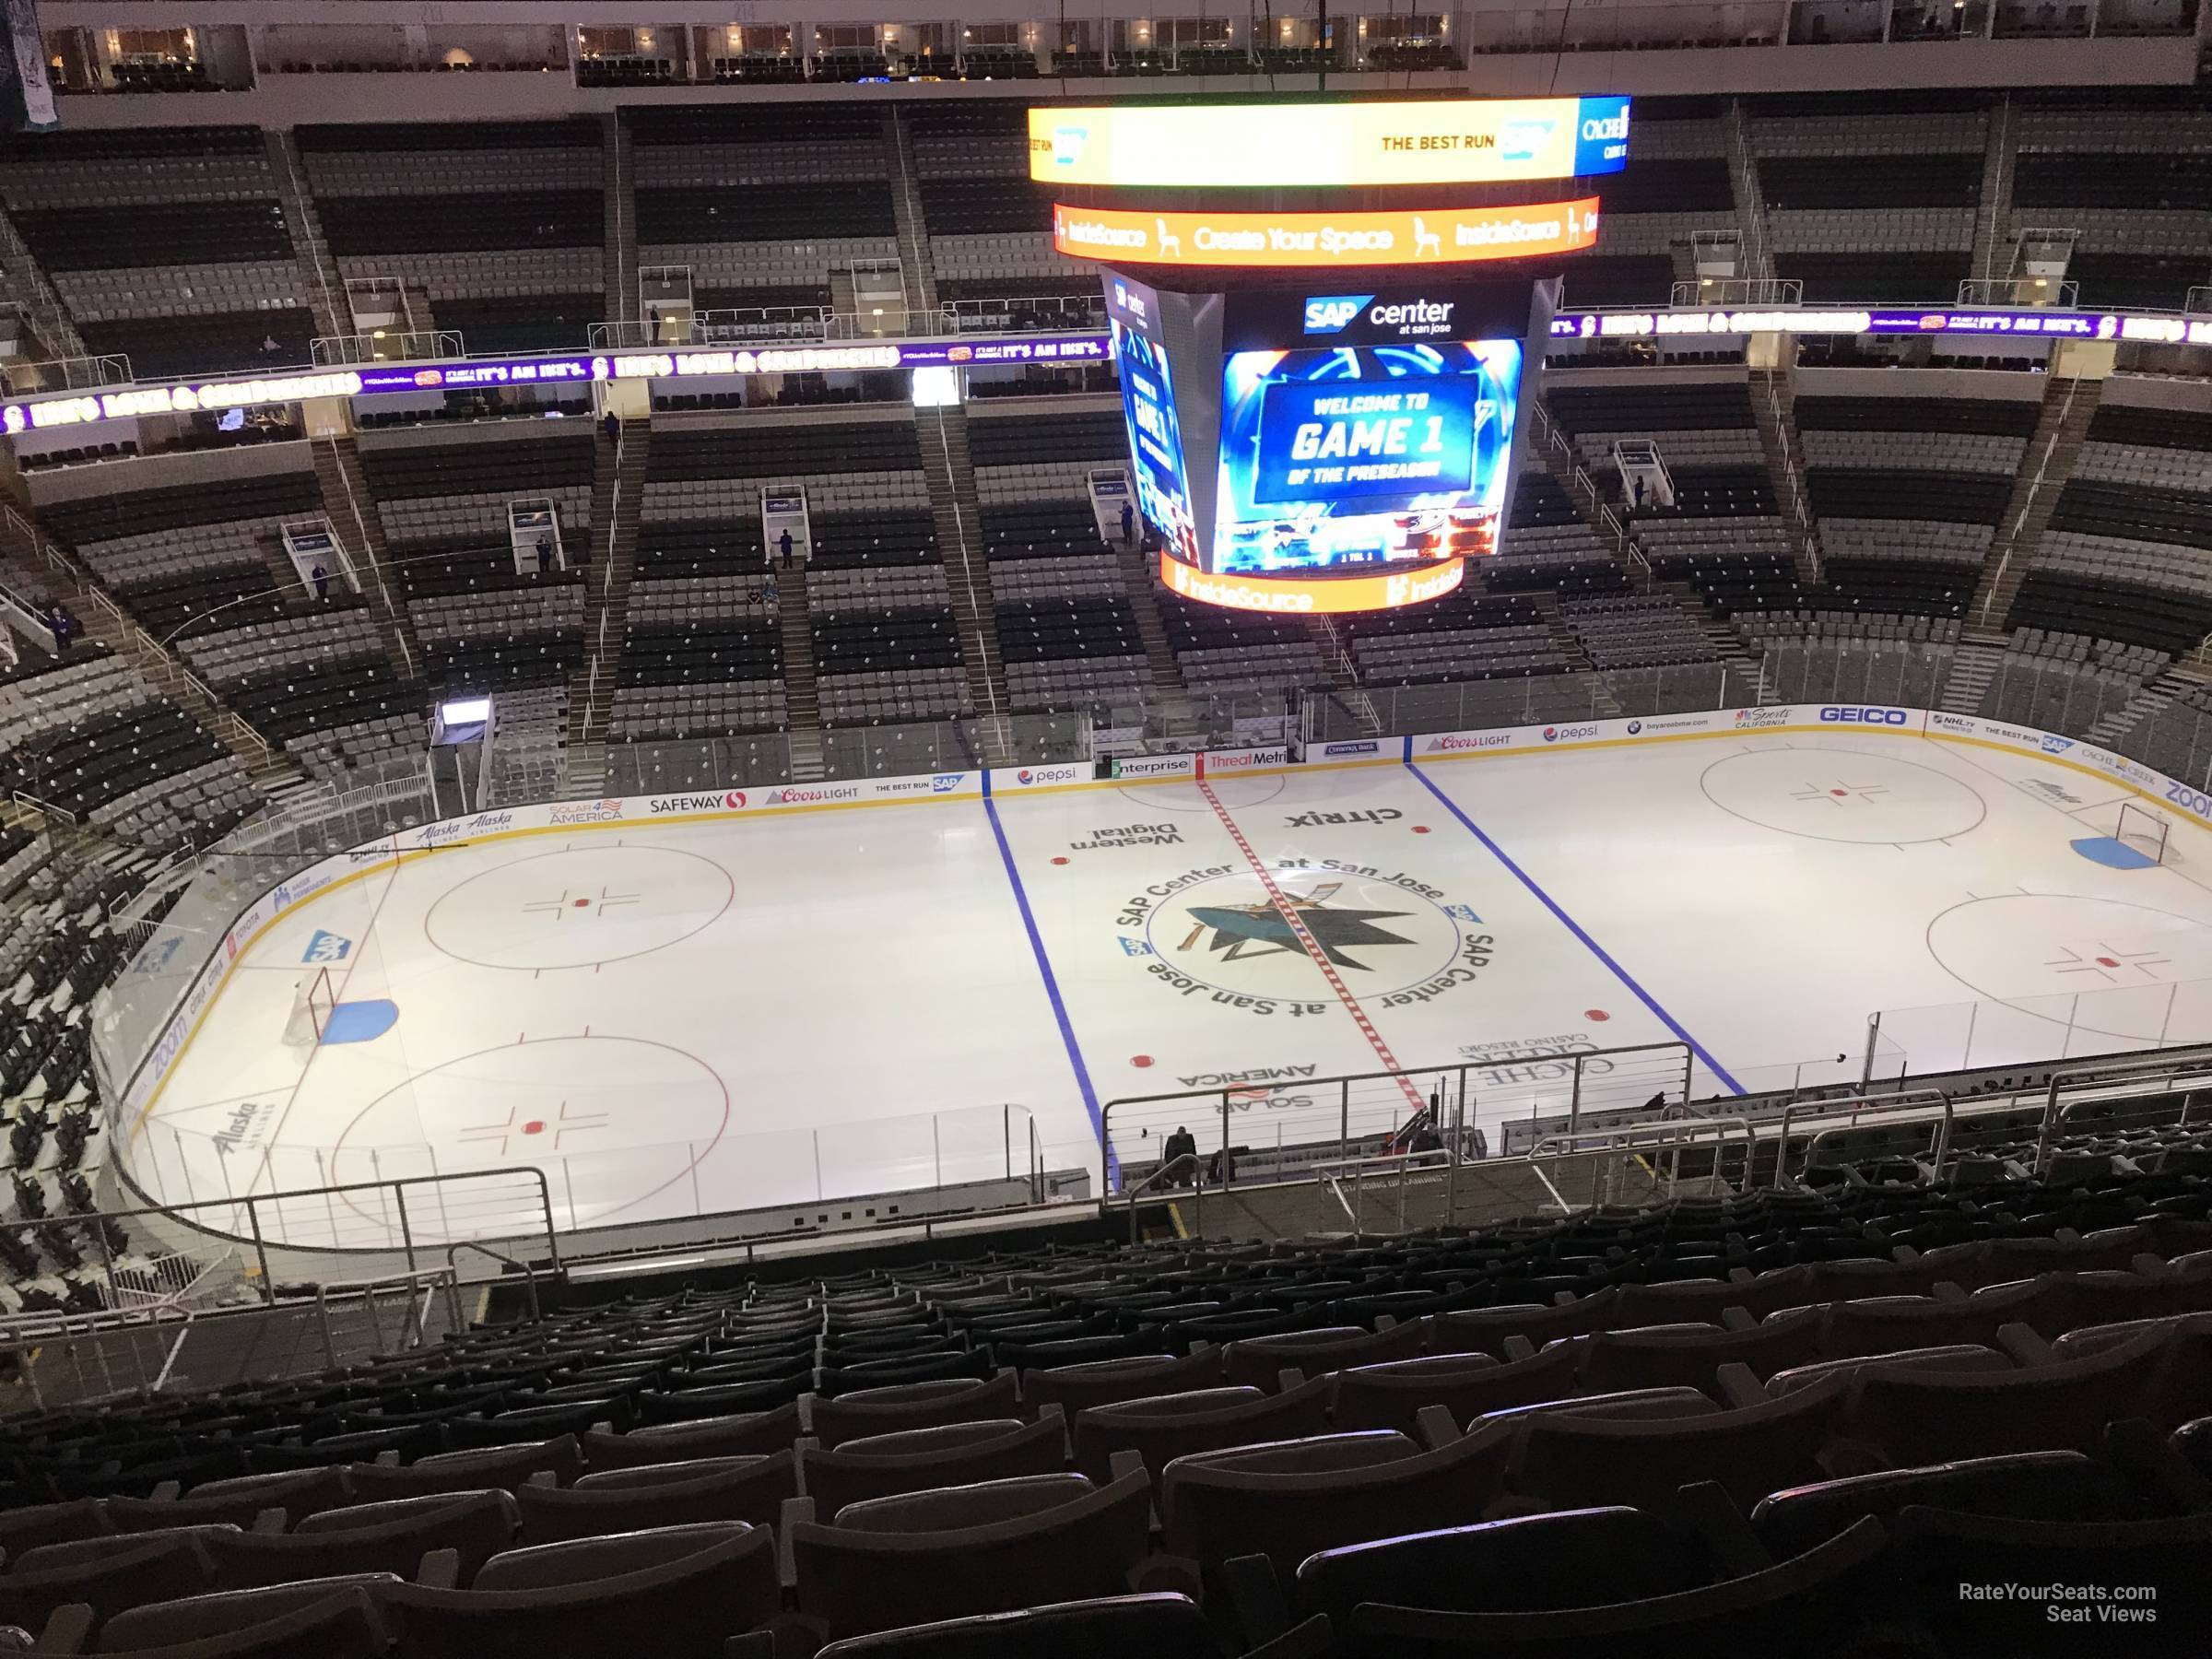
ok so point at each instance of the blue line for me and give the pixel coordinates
(1044, 965)
(1574, 928)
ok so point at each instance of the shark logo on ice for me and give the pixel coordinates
(325, 949)
(1264, 929)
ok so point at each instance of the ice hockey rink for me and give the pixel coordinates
(764, 1010)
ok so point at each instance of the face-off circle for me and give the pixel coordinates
(1838, 794)
(1233, 791)
(580, 907)
(611, 1120)
(2102, 966)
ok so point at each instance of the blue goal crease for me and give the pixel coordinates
(1574, 928)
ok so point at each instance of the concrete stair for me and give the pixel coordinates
(1143, 587)
(916, 270)
(351, 510)
(953, 502)
(2069, 405)
(2149, 704)
(326, 288)
(1773, 405)
(622, 274)
(1548, 441)
(802, 699)
(1993, 243)
(617, 493)
(1344, 690)
(74, 585)
(1750, 200)
(1973, 666)
(42, 307)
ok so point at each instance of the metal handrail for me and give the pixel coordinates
(1675, 1135)
(453, 1289)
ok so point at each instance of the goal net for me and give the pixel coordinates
(312, 999)
(2142, 831)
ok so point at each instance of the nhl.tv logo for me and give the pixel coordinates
(1328, 313)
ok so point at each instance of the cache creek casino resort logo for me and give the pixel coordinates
(1218, 934)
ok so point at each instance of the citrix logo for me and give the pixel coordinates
(1892, 717)
(1327, 313)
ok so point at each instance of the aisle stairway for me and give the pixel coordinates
(802, 699)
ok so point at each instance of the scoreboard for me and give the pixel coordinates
(1294, 450)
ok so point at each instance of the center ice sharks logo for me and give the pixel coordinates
(1283, 926)
(1305, 935)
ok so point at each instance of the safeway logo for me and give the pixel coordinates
(734, 800)
(1327, 313)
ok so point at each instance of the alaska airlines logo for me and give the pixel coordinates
(1329, 312)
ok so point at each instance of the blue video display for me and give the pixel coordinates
(1352, 455)
(1163, 495)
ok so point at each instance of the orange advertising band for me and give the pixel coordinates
(1314, 595)
(1444, 236)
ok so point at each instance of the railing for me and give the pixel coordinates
(1044, 313)
(383, 346)
(453, 1254)
(1801, 517)
(1401, 1164)
(980, 608)
(1266, 1126)
(606, 589)
(394, 617)
(1647, 1144)
(414, 1289)
(1757, 293)
(2198, 303)
(164, 667)
(2035, 487)
(70, 373)
(2012, 291)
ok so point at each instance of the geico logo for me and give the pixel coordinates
(1864, 716)
(1609, 126)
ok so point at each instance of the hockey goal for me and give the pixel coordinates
(2142, 831)
(313, 997)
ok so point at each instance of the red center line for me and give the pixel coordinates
(1288, 912)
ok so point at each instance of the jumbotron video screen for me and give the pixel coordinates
(1348, 455)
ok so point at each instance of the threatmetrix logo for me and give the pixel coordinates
(1328, 313)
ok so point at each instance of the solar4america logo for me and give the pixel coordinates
(1297, 939)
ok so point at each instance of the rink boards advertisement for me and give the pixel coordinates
(1008, 783)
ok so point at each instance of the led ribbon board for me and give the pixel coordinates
(1433, 236)
(1329, 146)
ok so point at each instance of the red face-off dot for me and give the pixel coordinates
(1597, 1015)
(1059, 861)
(534, 1126)
(1839, 792)
(583, 904)
(1421, 828)
(2108, 961)
(1141, 1061)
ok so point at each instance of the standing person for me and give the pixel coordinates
(58, 620)
(612, 427)
(545, 551)
(1128, 523)
(1181, 1144)
(783, 545)
(321, 580)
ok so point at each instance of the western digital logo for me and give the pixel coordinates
(1330, 313)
